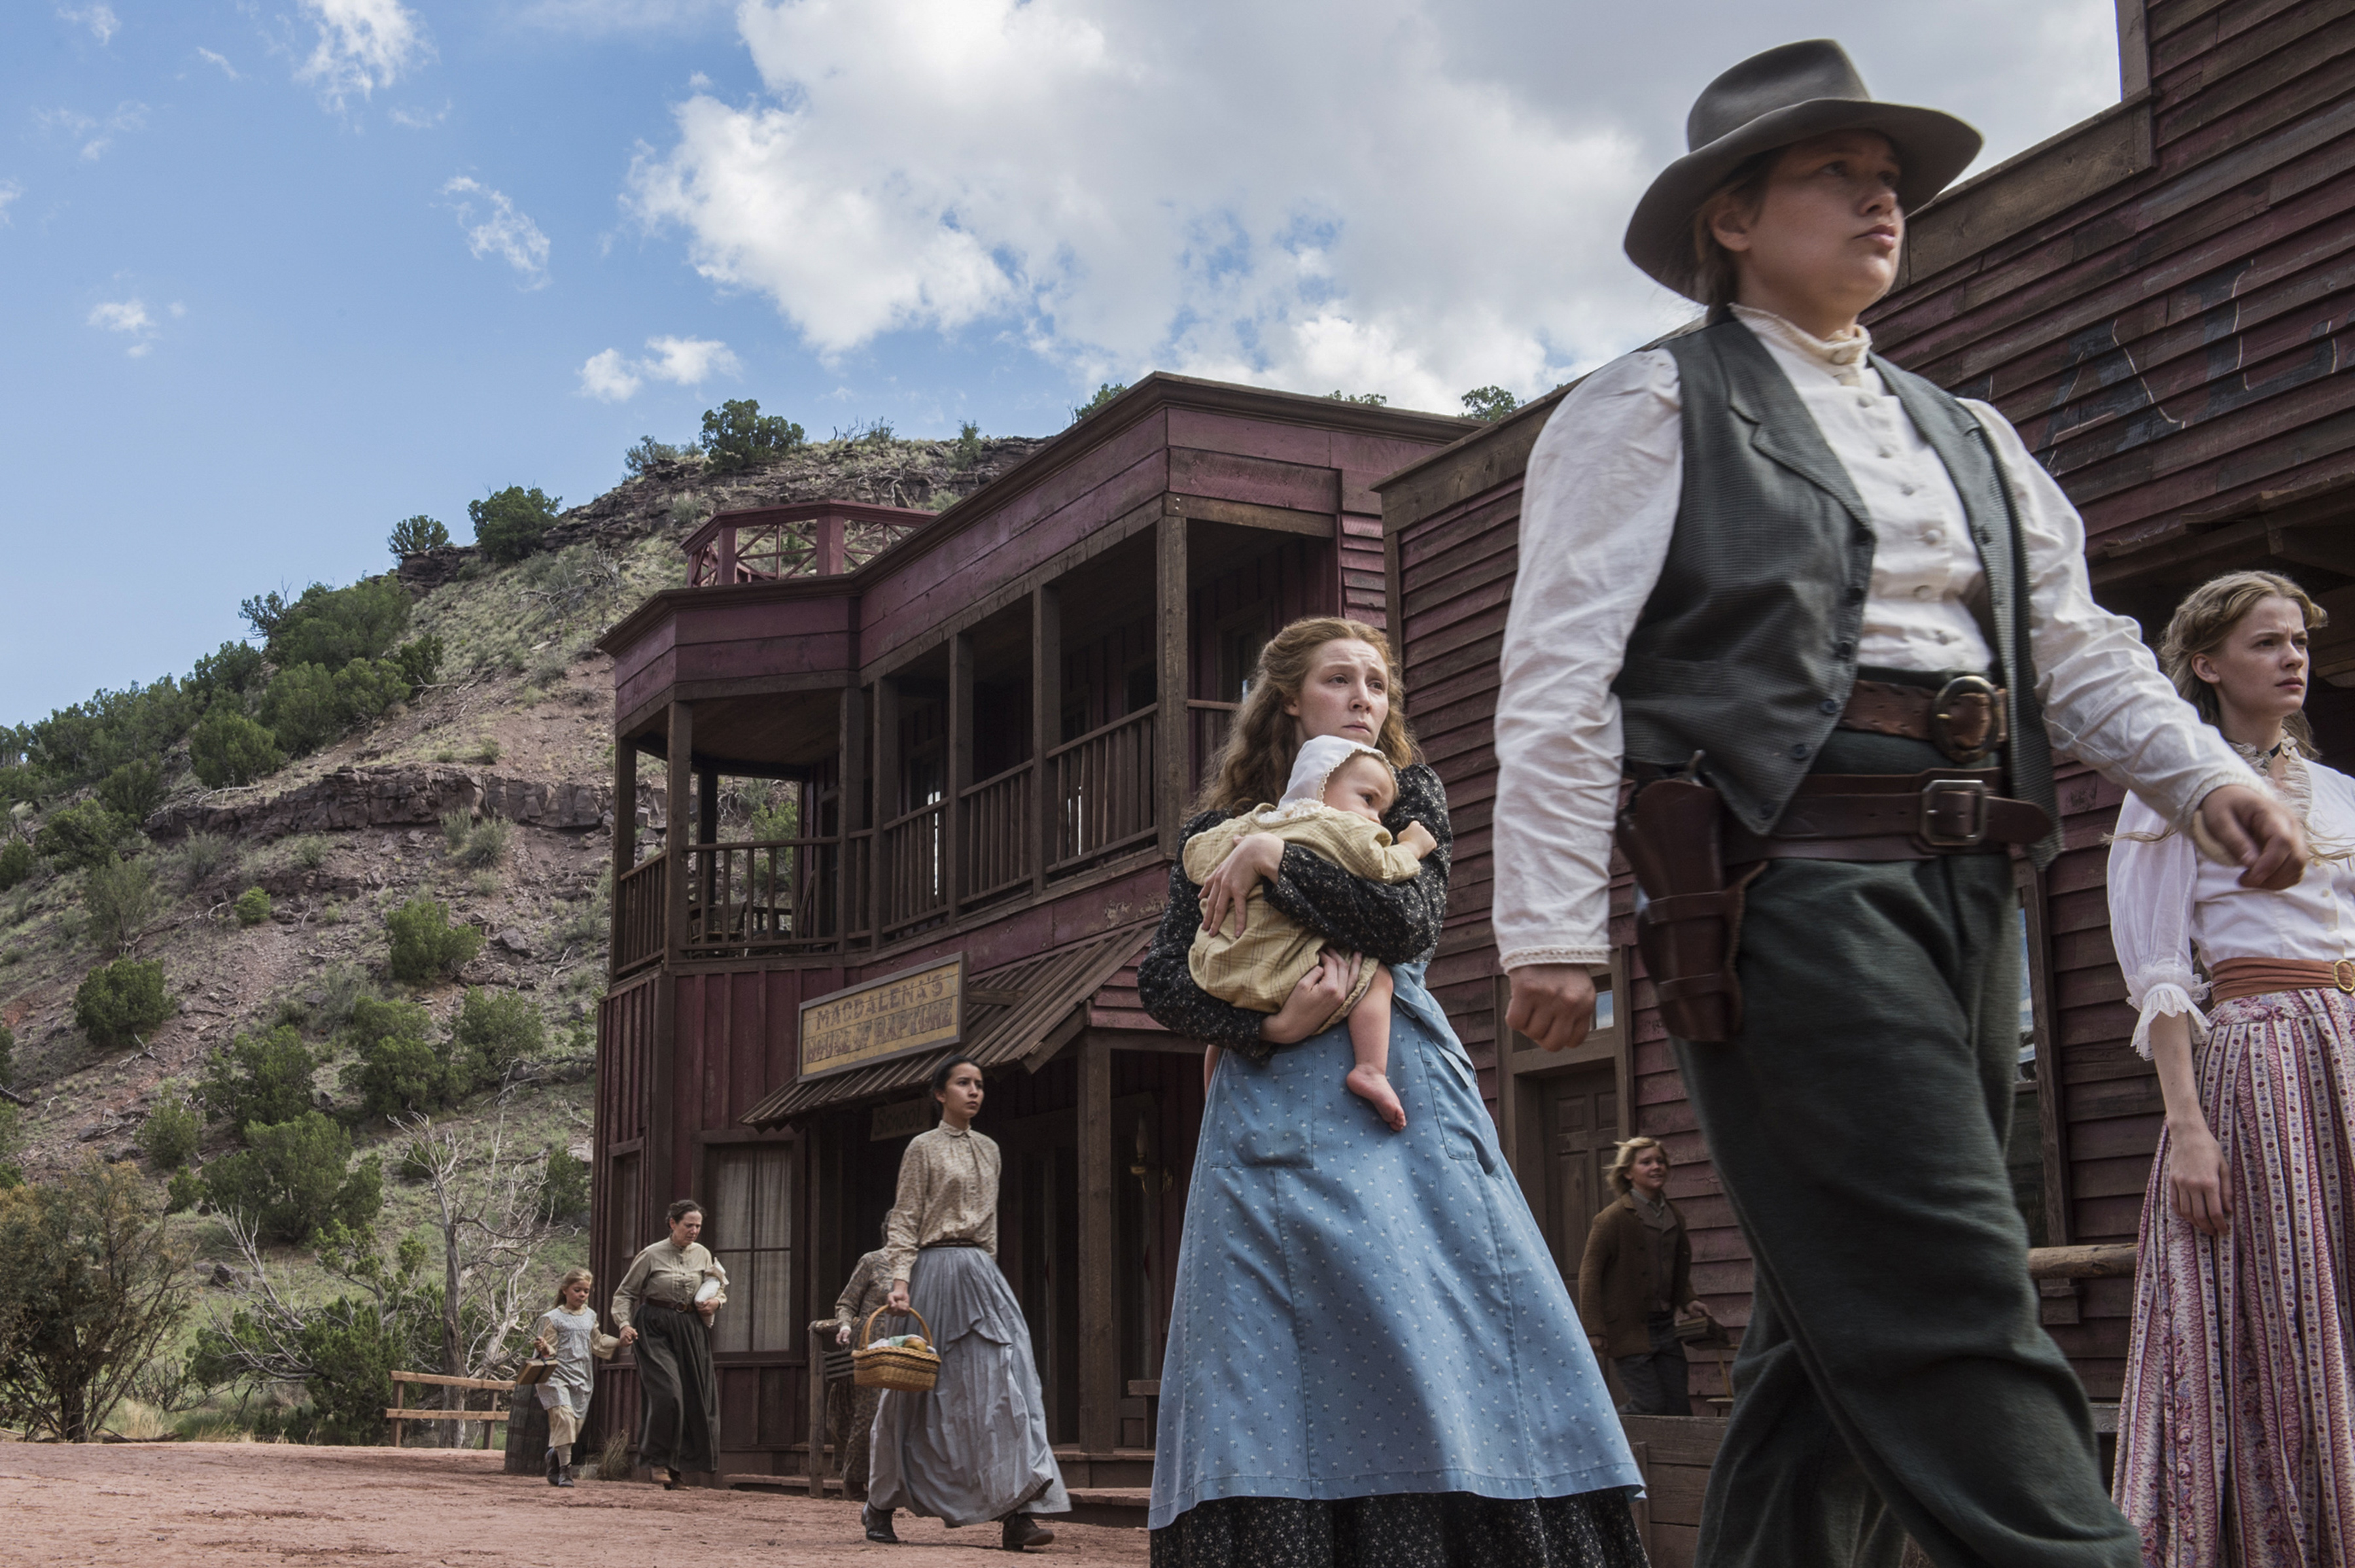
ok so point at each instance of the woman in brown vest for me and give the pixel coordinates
(1635, 1276)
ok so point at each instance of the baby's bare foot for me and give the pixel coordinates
(1369, 1085)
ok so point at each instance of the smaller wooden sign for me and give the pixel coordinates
(898, 1015)
(902, 1119)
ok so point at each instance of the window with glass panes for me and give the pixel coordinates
(750, 1230)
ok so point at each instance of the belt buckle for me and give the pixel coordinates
(2342, 974)
(1973, 790)
(1966, 719)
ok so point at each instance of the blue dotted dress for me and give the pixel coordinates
(1361, 1312)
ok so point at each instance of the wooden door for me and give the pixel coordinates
(1577, 1118)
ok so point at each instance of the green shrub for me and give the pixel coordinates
(415, 536)
(456, 827)
(366, 687)
(340, 987)
(1490, 403)
(302, 707)
(398, 1068)
(184, 1192)
(119, 899)
(134, 791)
(292, 1179)
(413, 1167)
(966, 450)
(564, 1194)
(81, 835)
(308, 850)
(736, 435)
(202, 856)
(486, 751)
(420, 662)
(253, 907)
(7, 1054)
(121, 1001)
(648, 455)
(170, 1133)
(230, 671)
(228, 749)
(493, 1032)
(486, 842)
(425, 946)
(260, 1078)
(16, 863)
(330, 627)
(1105, 393)
(512, 523)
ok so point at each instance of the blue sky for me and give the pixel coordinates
(275, 274)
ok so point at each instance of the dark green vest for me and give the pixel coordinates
(1746, 650)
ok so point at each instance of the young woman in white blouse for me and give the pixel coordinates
(2236, 1435)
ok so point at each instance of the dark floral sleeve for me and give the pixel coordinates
(1165, 981)
(1392, 923)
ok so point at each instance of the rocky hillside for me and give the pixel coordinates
(515, 731)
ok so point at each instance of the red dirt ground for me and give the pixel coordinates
(163, 1504)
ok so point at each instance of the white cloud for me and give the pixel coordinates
(9, 191)
(363, 45)
(504, 232)
(689, 361)
(422, 119)
(608, 376)
(684, 361)
(99, 20)
(210, 58)
(129, 317)
(595, 17)
(128, 116)
(1389, 196)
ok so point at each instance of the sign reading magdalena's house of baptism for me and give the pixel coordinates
(898, 1015)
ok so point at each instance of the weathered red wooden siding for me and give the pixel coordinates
(626, 1034)
(2176, 344)
(712, 638)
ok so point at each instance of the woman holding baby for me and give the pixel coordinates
(1372, 1356)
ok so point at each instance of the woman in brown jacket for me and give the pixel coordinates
(1637, 1273)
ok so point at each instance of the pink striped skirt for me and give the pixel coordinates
(2237, 1432)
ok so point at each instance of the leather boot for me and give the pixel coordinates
(879, 1525)
(1023, 1530)
(555, 1469)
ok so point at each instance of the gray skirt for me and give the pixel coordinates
(973, 1448)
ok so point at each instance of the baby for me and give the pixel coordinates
(1332, 807)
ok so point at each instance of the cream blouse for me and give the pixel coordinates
(948, 1192)
(2169, 904)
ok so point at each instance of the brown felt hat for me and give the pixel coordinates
(1770, 101)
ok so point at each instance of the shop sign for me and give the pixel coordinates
(899, 1015)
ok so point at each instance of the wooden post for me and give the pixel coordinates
(850, 813)
(817, 1415)
(626, 838)
(400, 1402)
(707, 831)
(681, 827)
(828, 541)
(959, 772)
(1172, 769)
(887, 792)
(1099, 1333)
(1046, 727)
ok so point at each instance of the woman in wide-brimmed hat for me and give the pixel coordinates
(1833, 622)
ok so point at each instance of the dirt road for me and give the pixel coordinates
(164, 1505)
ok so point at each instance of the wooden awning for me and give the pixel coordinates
(1047, 1005)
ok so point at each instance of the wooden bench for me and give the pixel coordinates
(400, 1412)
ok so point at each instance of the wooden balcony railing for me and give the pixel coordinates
(1104, 782)
(771, 896)
(1208, 723)
(639, 904)
(915, 871)
(995, 836)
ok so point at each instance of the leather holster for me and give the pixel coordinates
(1690, 927)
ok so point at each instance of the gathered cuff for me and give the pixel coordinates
(2167, 998)
(1520, 957)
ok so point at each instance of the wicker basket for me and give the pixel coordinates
(900, 1366)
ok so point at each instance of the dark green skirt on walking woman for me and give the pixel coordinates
(679, 1398)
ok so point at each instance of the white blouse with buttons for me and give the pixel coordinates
(1598, 508)
(2169, 904)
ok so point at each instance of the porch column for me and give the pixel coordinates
(1099, 1332)
(626, 836)
(959, 770)
(1046, 729)
(1173, 742)
(887, 794)
(707, 831)
(851, 812)
(681, 826)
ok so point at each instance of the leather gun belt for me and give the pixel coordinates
(1893, 816)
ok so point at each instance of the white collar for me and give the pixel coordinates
(1834, 353)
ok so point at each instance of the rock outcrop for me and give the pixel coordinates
(351, 798)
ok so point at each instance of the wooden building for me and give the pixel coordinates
(987, 723)
(2162, 299)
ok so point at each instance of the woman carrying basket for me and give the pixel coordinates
(973, 1447)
